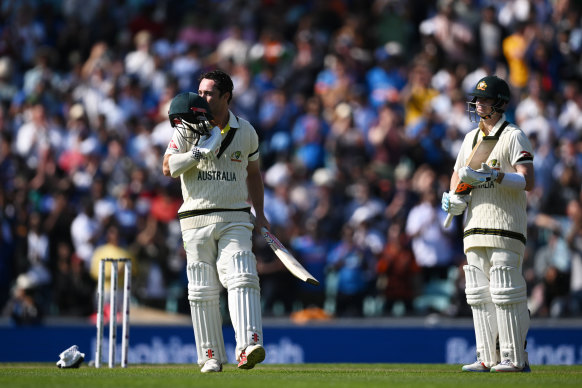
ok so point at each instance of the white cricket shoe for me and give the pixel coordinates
(211, 365)
(251, 356)
(508, 366)
(477, 366)
(71, 358)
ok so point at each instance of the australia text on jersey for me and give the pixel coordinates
(228, 176)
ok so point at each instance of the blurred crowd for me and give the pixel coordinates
(360, 108)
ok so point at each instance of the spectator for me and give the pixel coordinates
(354, 266)
(111, 249)
(82, 108)
(398, 271)
(73, 288)
(85, 230)
(431, 244)
(515, 49)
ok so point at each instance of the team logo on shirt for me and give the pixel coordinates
(172, 145)
(236, 156)
(493, 163)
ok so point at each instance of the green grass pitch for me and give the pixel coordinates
(15, 375)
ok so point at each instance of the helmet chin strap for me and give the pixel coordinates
(490, 114)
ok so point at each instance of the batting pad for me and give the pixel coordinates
(508, 292)
(484, 314)
(204, 295)
(244, 300)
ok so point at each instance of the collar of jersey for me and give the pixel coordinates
(232, 123)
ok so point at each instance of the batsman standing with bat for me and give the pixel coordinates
(495, 231)
(215, 154)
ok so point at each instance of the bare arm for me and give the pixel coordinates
(257, 193)
(166, 165)
(455, 180)
(527, 170)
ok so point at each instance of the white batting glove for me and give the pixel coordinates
(208, 146)
(475, 178)
(453, 203)
(485, 169)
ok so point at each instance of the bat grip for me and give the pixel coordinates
(448, 220)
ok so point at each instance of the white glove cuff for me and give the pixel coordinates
(513, 180)
(180, 163)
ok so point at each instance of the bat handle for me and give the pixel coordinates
(448, 220)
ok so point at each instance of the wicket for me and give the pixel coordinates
(113, 311)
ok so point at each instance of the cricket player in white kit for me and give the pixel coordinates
(495, 231)
(216, 156)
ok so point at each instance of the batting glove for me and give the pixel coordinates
(454, 204)
(475, 178)
(208, 147)
(485, 169)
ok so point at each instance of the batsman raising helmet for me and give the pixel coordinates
(495, 230)
(216, 156)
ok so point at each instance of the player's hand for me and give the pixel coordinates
(475, 178)
(454, 204)
(492, 173)
(208, 146)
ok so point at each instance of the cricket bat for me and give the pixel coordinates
(287, 258)
(478, 155)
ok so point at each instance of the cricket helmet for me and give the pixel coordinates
(491, 87)
(190, 115)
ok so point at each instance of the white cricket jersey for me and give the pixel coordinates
(216, 190)
(496, 215)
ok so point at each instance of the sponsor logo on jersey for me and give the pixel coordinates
(172, 145)
(236, 156)
(525, 154)
(228, 176)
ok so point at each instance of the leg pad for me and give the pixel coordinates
(484, 315)
(203, 295)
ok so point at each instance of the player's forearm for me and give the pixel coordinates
(256, 192)
(523, 179)
(454, 181)
(180, 163)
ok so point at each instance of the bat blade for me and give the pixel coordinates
(478, 155)
(481, 152)
(287, 258)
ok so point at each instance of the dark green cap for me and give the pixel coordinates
(493, 87)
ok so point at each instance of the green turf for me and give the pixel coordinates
(284, 376)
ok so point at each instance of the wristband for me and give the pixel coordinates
(513, 180)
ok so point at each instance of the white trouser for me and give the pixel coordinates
(227, 248)
(501, 269)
